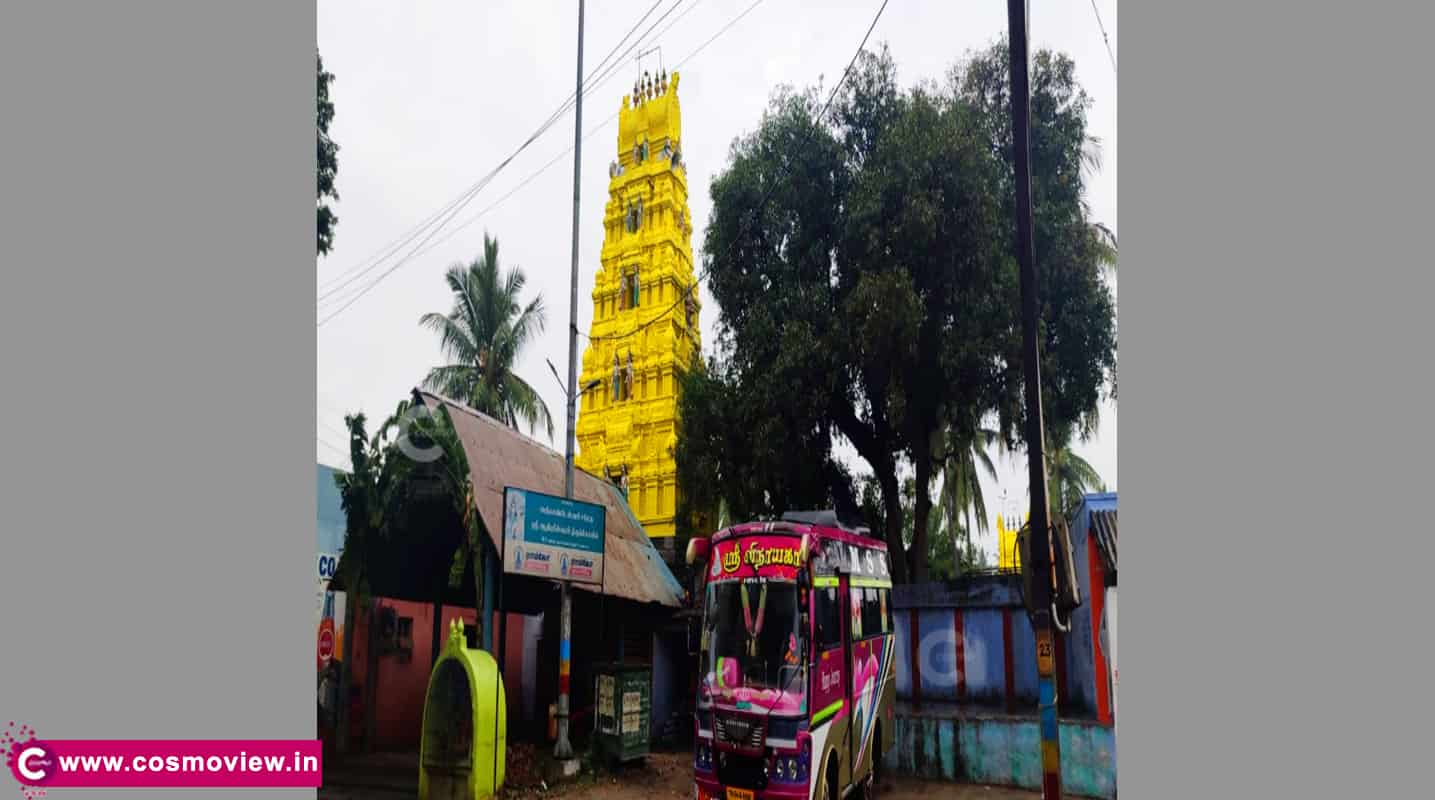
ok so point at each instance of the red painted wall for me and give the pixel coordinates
(401, 686)
(1098, 603)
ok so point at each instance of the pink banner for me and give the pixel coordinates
(245, 763)
(754, 556)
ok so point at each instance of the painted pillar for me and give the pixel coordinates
(1050, 733)
(961, 654)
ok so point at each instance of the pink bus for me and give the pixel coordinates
(796, 689)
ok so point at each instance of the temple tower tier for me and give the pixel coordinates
(645, 312)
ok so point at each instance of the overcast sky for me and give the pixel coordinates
(431, 96)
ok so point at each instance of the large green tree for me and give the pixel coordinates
(1073, 253)
(483, 335)
(874, 294)
(737, 462)
(328, 162)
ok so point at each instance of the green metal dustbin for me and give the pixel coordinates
(624, 703)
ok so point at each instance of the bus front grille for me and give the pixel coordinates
(741, 731)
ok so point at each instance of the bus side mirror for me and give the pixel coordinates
(698, 549)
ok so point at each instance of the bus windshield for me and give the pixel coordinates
(754, 640)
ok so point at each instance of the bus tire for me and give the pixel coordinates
(833, 791)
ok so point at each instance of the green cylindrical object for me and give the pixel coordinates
(465, 725)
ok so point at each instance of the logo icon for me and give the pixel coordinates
(31, 761)
(35, 763)
(408, 422)
(518, 558)
(563, 565)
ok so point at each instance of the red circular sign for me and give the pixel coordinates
(326, 641)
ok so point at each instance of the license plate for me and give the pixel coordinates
(739, 794)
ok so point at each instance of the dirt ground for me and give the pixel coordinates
(663, 776)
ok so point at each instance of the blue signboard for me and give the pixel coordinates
(551, 537)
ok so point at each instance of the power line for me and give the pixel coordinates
(463, 199)
(429, 220)
(332, 447)
(1103, 35)
(534, 175)
(597, 80)
(767, 196)
(531, 177)
(333, 430)
(701, 47)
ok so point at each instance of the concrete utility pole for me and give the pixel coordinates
(1040, 550)
(562, 748)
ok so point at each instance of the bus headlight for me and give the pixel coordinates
(789, 769)
(703, 758)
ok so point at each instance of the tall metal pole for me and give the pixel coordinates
(562, 748)
(1040, 550)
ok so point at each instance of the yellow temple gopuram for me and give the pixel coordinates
(1008, 554)
(645, 311)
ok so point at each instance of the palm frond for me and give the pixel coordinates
(455, 340)
(456, 381)
(526, 404)
(483, 335)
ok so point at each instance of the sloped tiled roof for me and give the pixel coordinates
(499, 456)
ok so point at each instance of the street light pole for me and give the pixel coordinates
(1040, 549)
(562, 748)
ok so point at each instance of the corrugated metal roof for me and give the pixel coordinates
(499, 456)
(1103, 528)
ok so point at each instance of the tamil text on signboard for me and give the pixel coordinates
(551, 537)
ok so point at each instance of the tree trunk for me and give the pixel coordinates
(892, 513)
(871, 442)
(922, 513)
(967, 535)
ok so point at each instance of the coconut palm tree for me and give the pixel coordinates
(967, 455)
(1069, 476)
(483, 335)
